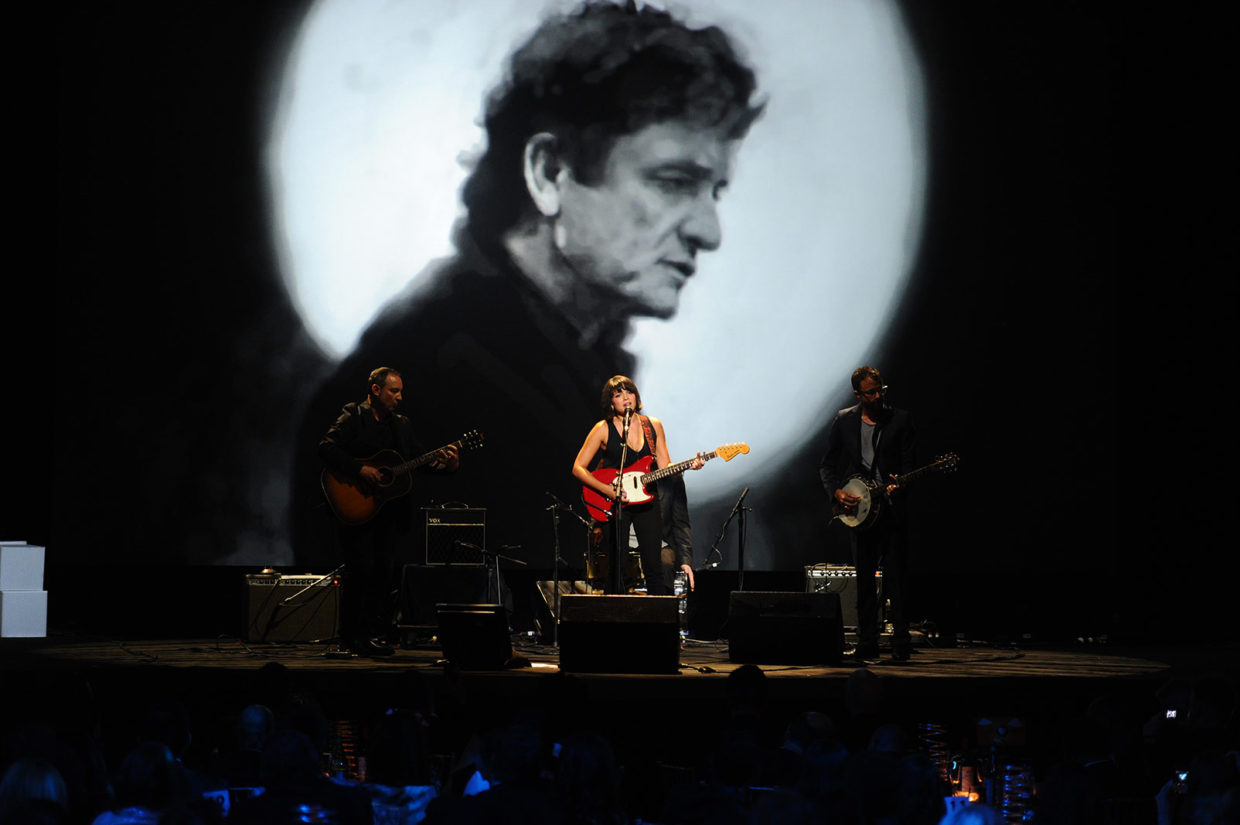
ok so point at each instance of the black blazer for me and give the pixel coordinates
(895, 453)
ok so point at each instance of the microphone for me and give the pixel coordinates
(739, 500)
(628, 415)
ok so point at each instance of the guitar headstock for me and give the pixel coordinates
(730, 451)
(472, 440)
(946, 463)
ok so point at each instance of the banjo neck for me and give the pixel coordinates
(946, 462)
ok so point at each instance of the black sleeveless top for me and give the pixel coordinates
(611, 453)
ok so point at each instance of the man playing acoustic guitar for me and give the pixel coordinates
(369, 547)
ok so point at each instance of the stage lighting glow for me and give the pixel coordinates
(821, 221)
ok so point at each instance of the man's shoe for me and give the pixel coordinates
(370, 647)
(901, 653)
(863, 653)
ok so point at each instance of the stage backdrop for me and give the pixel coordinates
(930, 190)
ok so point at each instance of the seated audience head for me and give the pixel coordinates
(290, 759)
(863, 693)
(514, 753)
(253, 727)
(31, 785)
(396, 752)
(149, 777)
(746, 690)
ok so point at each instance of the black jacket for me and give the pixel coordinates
(894, 453)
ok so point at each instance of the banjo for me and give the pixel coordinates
(873, 498)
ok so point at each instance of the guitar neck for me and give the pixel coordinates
(673, 469)
(415, 463)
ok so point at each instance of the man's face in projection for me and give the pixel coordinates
(636, 232)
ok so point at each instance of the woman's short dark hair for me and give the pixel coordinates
(613, 386)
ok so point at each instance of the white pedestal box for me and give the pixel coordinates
(23, 613)
(21, 566)
(23, 601)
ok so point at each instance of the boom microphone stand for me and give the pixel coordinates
(738, 512)
(314, 583)
(555, 509)
(499, 583)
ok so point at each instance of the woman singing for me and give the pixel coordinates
(621, 406)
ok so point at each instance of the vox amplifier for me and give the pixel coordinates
(455, 535)
(841, 579)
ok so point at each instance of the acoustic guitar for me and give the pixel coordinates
(355, 501)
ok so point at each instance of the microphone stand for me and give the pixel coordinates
(314, 583)
(499, 583)
(738, 512)
(555, 509)
(616, 574)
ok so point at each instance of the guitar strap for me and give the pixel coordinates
(649, 431)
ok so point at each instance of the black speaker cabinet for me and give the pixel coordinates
(474, 636)
(619, 634)
(841, 579)
(455, 535)
(292, 608)
(424, 586)
(784, 628)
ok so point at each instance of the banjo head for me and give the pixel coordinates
(857, 486)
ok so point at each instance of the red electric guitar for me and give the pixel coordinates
(637, 475)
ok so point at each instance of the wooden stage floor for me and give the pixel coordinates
(970, 676)
(708, 660)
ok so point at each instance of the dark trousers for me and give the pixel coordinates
(369, 552)
(885, 545)
(647, 523)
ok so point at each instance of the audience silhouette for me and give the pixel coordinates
(430, 752)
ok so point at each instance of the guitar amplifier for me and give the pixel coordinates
(450, 532)
(841, 579)
(291, 608)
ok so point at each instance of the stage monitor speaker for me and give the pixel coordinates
(292, 608)
(474, 636)
(547, 606)
(619, 634)
(784, 628)
(424, 586)
(841, 579)
(450, 532)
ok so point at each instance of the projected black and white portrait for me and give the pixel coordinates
(510, 201)
(709, 199)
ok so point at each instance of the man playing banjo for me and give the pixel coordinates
(867, 445)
